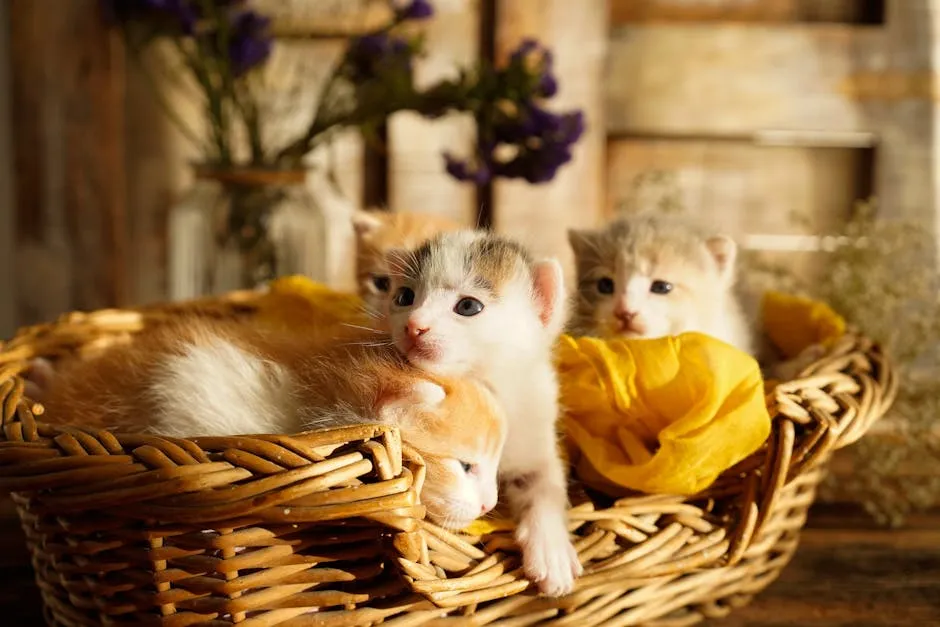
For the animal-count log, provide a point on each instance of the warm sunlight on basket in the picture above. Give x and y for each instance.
(326, 528)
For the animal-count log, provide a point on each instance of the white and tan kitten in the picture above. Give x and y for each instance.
(210, 377)
(473, 303)
(650, 276)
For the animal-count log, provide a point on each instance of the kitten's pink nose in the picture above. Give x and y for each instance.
(415, 330)
(485, 508)
(624, 314)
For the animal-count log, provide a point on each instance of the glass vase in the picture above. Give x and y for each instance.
(238, 228)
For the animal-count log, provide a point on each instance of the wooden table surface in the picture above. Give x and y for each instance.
(846, 573)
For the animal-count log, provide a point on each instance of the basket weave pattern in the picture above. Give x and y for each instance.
(326, 528)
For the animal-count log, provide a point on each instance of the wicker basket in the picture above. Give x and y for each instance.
(326, 528)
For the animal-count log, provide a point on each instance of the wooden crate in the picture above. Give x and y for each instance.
(758, 108)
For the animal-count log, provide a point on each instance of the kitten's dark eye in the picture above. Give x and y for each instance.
(468, 307)
(404, 297)
(468, 467)
(661, 287)
(605, 285)
(381, 283)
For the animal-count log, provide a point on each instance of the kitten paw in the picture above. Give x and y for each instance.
(548, 557)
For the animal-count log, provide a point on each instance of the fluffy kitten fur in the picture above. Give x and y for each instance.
(653, 276)
(378, 232)
(206, 377)
(472, 303)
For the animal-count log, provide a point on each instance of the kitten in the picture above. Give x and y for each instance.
(651, 276)
(203, 377)
(377, 232)
(474, 303)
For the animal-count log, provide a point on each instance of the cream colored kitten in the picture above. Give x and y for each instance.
(378, 232)
(205, 377)
(472, 303)
(652, 276)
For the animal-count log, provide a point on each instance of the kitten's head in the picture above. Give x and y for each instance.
(649, 276)
(377, 232)
(459, 429)
(466, 300)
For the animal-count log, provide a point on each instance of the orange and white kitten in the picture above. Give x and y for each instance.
(205, 377)
(475, 303)
(378, 232)
(652, 276)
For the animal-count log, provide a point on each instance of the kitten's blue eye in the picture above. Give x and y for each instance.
(661, 287)
(605, 285)
(404, 297)
(381, 283)
(468, 307)
(467, 467)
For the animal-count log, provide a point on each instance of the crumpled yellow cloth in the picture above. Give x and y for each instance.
(297, 301)
(664, 415)
(794, 323)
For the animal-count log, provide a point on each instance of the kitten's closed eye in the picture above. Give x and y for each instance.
(468, 307)
(605, 285)
(405, 297)
(661, 287)
(381, 283)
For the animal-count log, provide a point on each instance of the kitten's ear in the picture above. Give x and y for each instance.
(725, 251)
(421, 393)
(580, 240)
(548, 284)
(365, 222)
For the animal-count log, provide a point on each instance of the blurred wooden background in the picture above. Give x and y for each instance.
(749, 112)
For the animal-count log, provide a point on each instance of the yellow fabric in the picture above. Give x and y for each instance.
(794, 323)
(664, 415)
(297, 301)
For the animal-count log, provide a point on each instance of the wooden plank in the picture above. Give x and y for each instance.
(66, 107)
(737, 80)
(27, 60)
(577, 33)
(764, 11)
(7, 212)
(629, 11)
(743, 188)
(159, 155)
(324, 19)
(94, 193)
(907, 154)
(417, 180)
(861, 577)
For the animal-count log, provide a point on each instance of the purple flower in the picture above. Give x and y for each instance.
(250, 43)
(548, 85)
(526, 47)
(537, 62)
(416, 10)
(544, 142)
(370, 56)
(460, 170)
